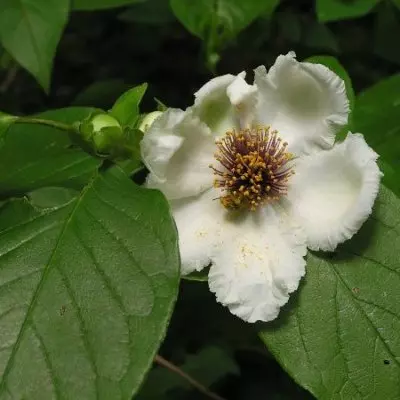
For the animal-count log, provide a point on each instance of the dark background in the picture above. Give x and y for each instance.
(104, 52)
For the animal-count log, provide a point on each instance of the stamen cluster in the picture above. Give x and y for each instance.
(254, 168)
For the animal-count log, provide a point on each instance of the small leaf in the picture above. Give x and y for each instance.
(332, 10)
(339, 336)
(101, 4)
(86, 292)
(101, 94)
(30, 32)
(34, 156)
(126, 108)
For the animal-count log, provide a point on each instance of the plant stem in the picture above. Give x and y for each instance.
(46, 122)
(201, 388)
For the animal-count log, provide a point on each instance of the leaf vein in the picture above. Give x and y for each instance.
(49, 366)
(362, 300)
(102, 274)
(143, 223)
(19, 278)
(339, 341)
(374, 261)
(64, 168)
(34, 218)
(121, 243)
(362, 312)
(46, 176)
(151, 228)
(29, 239)
(36, 293)
(82, 325)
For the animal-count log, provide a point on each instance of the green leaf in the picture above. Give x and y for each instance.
(376, 115)
(101, 94)
(133, 139)
(219, 19)
(126, 108)
(5, 123)
(86, 292)
(14, 212)
(49, 197)
(34, 156)
(30, 32)
(339, 336)
(396, 3)
(101, 4)
(207, 366)
(334, 65)
(131, 167)
(332, 10)
(390, 177)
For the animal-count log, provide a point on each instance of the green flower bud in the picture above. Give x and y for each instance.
(101, 121)
(102, 133)
(148, 120)
(107, 133)
(108, 140)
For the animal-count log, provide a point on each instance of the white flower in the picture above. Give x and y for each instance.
(270, 192)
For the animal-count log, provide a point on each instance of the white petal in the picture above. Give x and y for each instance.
(306, 103)
(333, 191)
(258, 262)
(178, 149)
(161, 142)
(244, 98)
(212, 105)
(225, 103)
(198, 220)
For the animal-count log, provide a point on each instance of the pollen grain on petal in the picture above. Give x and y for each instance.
(254, 168)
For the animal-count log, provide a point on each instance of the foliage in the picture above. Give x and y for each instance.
(30, 33)
(89, 261)
(376, 114)
(39, 157)
(347, 344)
(84, 316)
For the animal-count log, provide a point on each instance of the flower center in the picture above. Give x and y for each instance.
(254, 168)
